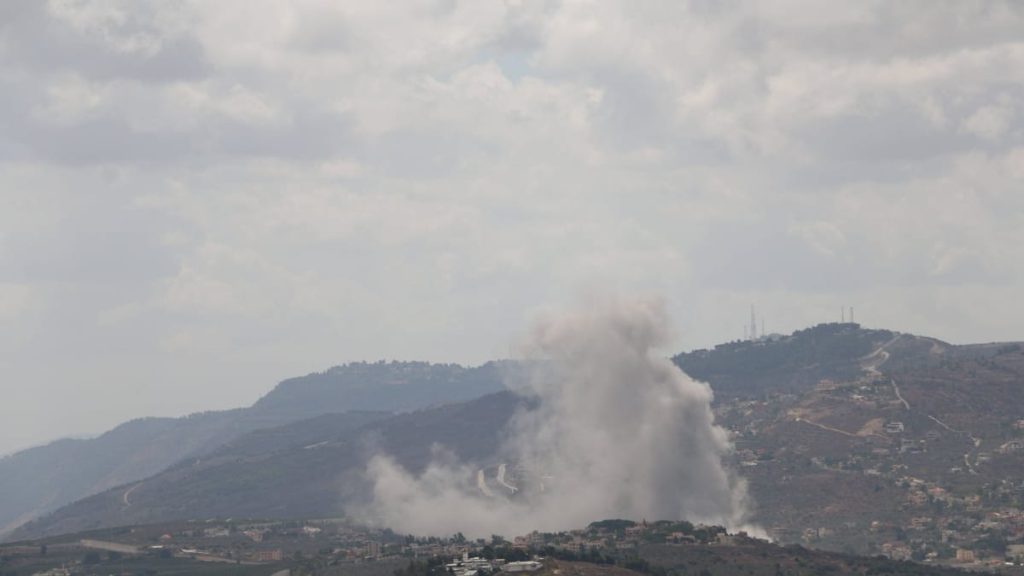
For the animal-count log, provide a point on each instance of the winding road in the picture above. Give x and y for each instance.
(874, 360)
(126, 497)
(896, 389)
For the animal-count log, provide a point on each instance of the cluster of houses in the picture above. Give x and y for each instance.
(272, 542)
(947, 529)
(623, 535)
(976, 522)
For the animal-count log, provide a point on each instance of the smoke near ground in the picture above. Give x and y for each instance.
(617, 431)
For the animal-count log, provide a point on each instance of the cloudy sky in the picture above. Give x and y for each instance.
(198, 199)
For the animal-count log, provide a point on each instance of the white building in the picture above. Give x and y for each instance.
(525, 566)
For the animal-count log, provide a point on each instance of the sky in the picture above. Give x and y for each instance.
(199, 199)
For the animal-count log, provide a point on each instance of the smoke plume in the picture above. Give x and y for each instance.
(615, 431)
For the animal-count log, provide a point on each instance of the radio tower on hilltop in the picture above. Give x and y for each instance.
(753, 324)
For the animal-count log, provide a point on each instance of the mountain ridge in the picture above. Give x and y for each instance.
(869, 420)
(296, 477)
(37, 480)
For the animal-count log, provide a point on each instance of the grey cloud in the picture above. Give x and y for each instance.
(427, 154)
(100, 141)
(206, 197)
(97, 242)
(886, 30)
(34, 39)
(110, 138)
(311, 135)
(765, 257)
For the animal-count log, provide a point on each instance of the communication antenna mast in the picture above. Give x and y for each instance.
(753, 324)
(851, 314)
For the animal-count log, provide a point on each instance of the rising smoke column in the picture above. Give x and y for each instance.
(618, 431)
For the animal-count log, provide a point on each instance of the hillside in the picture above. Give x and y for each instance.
(304, 469)
(852, 440)
(919, 454)
(38, 480)
(392, 386)
(782, 364)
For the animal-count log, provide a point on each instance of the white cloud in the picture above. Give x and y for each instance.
(824, 237)
(110, 21)
(201, 183)
(990, 122)
(15, 299)
(71, 99)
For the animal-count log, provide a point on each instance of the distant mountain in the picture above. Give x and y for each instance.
(38, 480)
(304, 469)
(856, 440)
(393, 386)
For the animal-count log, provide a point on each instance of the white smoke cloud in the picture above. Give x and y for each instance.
(618, 432)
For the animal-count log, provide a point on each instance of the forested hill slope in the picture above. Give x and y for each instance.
(39, 480)
(310, 468)
(391, 386)
(783, 364)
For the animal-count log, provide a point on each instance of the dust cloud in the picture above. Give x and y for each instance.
(615, 431)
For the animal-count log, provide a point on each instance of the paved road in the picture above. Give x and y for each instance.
(874, 360)
(896, 389)
(126, 497)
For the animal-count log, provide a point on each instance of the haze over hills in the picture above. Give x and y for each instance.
(393, 386)
(37, 480)
(848, 438)
(200, 200)
(303, 469)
